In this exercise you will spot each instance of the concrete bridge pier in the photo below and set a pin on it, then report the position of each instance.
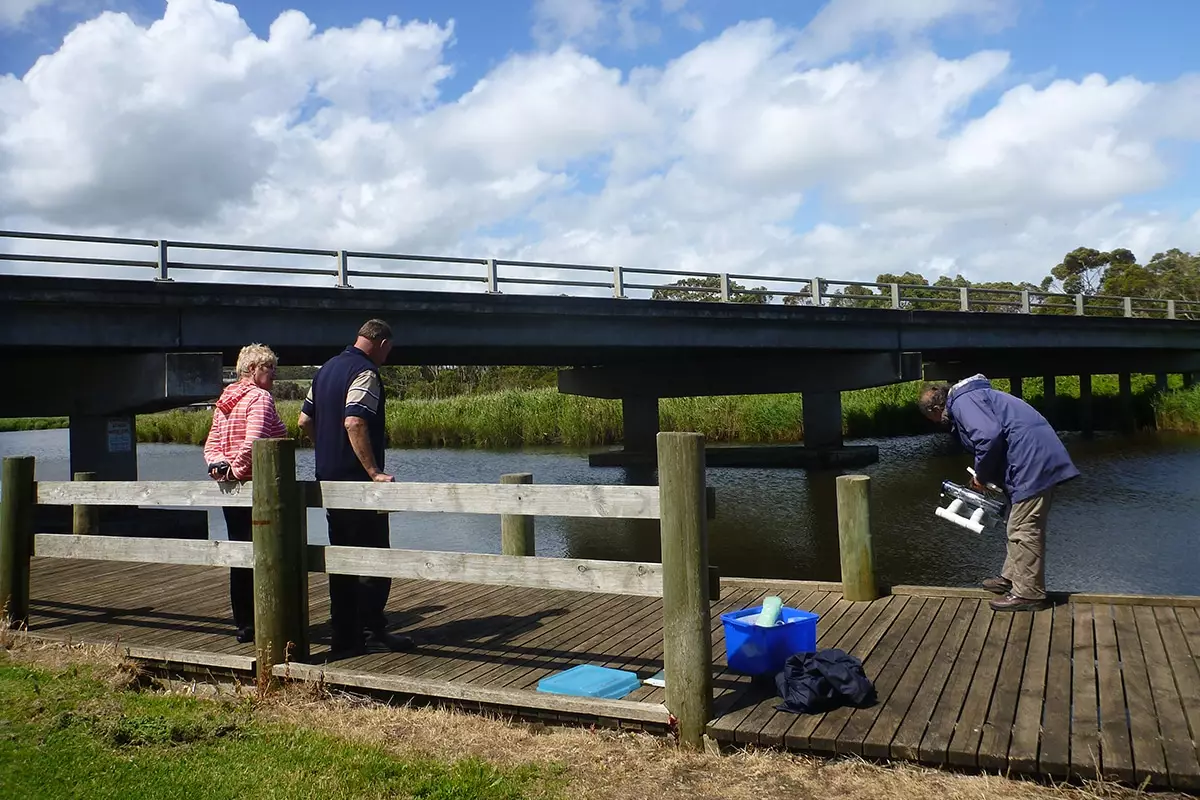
(105, 444)
(1087, 410)
(1189, 380)
(819, 378)
(1127, 418)
(822, 419)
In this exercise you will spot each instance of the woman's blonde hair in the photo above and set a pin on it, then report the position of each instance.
(255, 355)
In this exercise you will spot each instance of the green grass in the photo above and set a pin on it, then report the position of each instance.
(1180, 411)
(516, 418)
(68, 734)
(32, 424)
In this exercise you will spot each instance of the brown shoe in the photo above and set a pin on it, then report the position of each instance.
(998, 585)
(1010, 602)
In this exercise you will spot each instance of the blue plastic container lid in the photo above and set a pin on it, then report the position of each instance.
(588, 680)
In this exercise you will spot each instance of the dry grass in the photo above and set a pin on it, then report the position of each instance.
(595, 763)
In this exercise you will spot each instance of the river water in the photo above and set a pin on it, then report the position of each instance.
(1131, 523)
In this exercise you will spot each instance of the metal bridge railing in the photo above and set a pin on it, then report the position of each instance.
(171, 260)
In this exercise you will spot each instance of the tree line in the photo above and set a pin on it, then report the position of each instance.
(1095, 274)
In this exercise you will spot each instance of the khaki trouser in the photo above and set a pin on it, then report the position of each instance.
(1025, 565)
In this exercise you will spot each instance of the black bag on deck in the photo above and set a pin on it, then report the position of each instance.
(812, 683)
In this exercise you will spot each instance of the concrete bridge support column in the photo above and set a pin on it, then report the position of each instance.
(1189, 380)
(1161, 383)
(1017, 387)
(822, 419)
(639, 416)
(1050, 401)
(104, 444)
(1087, 419)
(1127, 421)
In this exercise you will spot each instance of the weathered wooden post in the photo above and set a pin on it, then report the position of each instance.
(854, 537)
(85, 519)
(687, 636)
(516, 530)
(280, 569)
(16, 537)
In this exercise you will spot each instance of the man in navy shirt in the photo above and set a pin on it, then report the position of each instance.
(343, 414)
(1016, 448)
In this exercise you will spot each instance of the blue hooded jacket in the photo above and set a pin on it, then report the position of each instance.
(1014, 446)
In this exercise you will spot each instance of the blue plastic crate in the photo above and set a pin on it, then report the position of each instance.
(587, 680)
(752, 650)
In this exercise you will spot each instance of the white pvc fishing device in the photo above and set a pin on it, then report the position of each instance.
(969, 508)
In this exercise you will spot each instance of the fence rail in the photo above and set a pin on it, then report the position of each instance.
(281, 557)
(340, 266)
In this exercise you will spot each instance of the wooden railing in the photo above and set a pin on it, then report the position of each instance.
(281, 557)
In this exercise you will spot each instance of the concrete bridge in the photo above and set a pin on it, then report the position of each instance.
(121, 345)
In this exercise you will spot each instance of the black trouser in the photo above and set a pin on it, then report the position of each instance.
(356, 603)
(241, 580)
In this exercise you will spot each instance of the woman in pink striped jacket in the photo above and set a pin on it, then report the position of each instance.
(245, 412)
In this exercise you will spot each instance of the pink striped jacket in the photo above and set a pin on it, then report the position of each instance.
(244, 413)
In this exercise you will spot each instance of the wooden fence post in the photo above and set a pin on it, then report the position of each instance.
(854, 537)
(16, 537)
(687, 636)
(516, 530)
(85, 519)
(280, 569)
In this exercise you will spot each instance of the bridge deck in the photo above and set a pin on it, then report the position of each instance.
(1111, 686)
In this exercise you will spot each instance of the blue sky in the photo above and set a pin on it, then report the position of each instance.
(967, 159)
(1049, 38)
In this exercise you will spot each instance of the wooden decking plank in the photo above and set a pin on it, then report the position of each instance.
(998, 726)
(894, 707)
(520, 626)
(906, 740)
(935, 744)
(760, 713)
(725, 721)
(437, 636)
(860, 721)
(1116, 753)
(1183, 769)
(825, 736)
(1054, 754)
(726, 684)
(968, 730)
(443, 642)
(1085, 728)
(859, 642)
(572, 644)
(1027, 722)
(1186, 668)
(771, 732)
(1189, 621)
(1149, 760)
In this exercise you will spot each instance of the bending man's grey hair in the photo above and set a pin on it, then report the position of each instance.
(933, 396)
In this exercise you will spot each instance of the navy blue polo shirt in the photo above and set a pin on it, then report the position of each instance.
(347, 385)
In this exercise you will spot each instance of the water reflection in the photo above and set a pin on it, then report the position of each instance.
(1129, 524)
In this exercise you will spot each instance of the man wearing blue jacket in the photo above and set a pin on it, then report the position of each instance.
(1017, 449)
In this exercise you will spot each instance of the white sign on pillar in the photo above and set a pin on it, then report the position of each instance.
(120, 436)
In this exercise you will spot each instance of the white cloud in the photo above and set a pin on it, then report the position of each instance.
(13, 13)
(842, 24)
(743, 154)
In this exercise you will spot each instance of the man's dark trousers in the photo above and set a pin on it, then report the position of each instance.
(357, 602)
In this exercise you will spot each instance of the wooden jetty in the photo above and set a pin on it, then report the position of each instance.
(1098, 685)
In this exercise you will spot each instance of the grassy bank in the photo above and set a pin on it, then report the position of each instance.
(544, 417)
(80, 722)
